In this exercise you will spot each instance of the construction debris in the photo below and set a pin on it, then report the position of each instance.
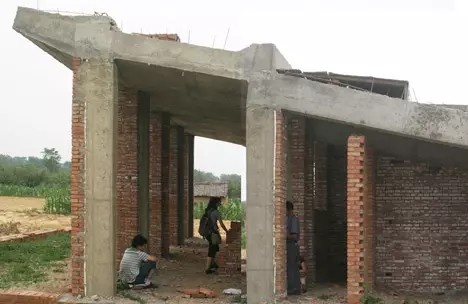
(200, 293)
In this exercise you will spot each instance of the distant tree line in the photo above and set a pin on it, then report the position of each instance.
(49, 170)
(34, 171)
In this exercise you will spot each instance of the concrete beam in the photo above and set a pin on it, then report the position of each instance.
(98, 88)
(329, 102)
(260, 209)
(97, 36)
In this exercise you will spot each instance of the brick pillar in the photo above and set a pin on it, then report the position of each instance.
(309, 204)
(229, 258)
(77, 183)
(127, 170)
(155, 181)
(173, 191)
(190, 168)
(360, 218)
(297, 142)
(165, 184)
(280, 206)
(186, 186)
(181, 177)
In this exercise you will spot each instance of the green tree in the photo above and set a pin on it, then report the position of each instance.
(202, 176)
(51, 159)
(234, 184)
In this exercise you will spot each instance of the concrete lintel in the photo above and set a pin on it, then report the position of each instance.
(329, 102)
(98, 88)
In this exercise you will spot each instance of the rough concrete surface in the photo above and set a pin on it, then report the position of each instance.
(98, 89)
(260, 209)
(97, 37)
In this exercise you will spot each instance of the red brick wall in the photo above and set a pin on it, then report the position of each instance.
(33, 297)
(297, 142)
(77, 183)
(320, 159)
(280, 205)
(173, 187)
(309, 199)
(186, 185)
(360, 218)
(229, 258)
(155, 182)
(421, 223)
(127, 170)
(165, 182)
(336, 215)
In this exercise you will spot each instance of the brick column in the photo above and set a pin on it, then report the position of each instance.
(297, 142)
(190, 168)
(309, 204)
(186, 187)
(77, 183)
(165, 184)
(173, 183)
(280, 206)
(360, 218)
(181, 177)
(127, 170)
(229, 258)
(155, 182)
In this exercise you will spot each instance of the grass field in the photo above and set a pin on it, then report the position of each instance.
(27, 263)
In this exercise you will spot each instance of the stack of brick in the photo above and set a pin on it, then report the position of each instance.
(229, 258)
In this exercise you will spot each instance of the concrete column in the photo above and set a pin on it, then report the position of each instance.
(190, 168)
(266, 208)
(143, 100)
(98, 88)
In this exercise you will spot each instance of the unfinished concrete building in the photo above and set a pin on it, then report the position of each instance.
(380, 183)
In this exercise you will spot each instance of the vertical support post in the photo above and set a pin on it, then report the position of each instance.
(266, 210)
(96, 90)
(180, 186)
(360, 216)
(191, 146)
(165, 172)
(156, 196)
(143, 164)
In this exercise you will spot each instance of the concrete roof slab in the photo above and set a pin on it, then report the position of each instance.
(391, 115)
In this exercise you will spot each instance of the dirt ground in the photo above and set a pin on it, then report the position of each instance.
(21, 215)
(184, 270)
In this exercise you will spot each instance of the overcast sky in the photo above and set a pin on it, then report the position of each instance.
(423, 41)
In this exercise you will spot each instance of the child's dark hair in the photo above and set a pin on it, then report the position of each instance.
(289, 205)
(139, 240)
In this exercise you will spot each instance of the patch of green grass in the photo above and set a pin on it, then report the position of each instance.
(26, 263)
